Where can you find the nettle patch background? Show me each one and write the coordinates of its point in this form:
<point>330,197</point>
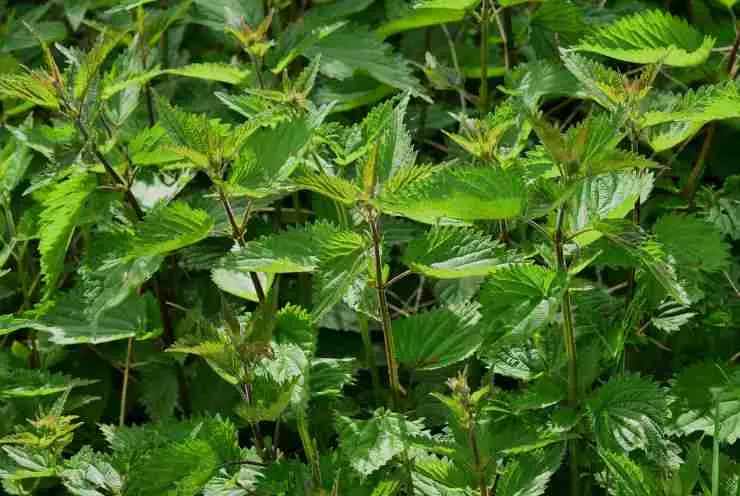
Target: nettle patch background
<point>366,247</point>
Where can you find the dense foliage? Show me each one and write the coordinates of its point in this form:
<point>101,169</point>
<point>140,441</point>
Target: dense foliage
<point>369,247</point>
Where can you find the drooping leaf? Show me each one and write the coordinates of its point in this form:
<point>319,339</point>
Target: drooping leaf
<point>627,477</point>
<point>212,71</point>
<point>427,13</point>
<point>650,37</point>
<point>692,242</point>
<point>88,473</point>
<point>451,253</point>
<point>170,228</point>
<point>437,338</point>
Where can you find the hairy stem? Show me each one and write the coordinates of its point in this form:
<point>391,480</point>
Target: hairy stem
<point>309,448</point>
<point>369,355</point>
<point>126,376</point>
<point>692,184</point>
<point>570,348</point>
<point>385,316</point>
<point>480,476</point>
<point>483,92</point>
<point>238,235</point>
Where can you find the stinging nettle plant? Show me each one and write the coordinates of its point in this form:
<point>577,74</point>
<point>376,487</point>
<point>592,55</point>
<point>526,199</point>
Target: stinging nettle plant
<point>352,247</point>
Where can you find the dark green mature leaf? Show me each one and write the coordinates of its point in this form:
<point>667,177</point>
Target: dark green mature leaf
<point>356,49</point>
<point>628,413</point>
<point>437,338</point>
<point>529,474</point>
<point>23,383</point>
<point>346,257</point>
<point>693,242</point>
<point>368,445</point>
<point>464,193</point>
<point>170,228</point>
<point>520,298</point>
<point>69,320</point>
<point>650,37</point>
<point>627,477</point>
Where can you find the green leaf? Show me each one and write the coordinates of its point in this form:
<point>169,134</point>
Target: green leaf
<point>650,37</point>
<point>269,157</point>
<point>345,258</point>
<point>673,118</point>
<point>626,477</point>
<point>608,196</point>
<point>356,49</point>
<point>367,445</point>
<point>693,242</point>
<point>328,376</point>
<point>332,187</point>
<point>427,13</point>
<point>603,84</point>
<point>464,193</point>
<point>628,413</point>
<point>293,250</point>
<point>26,383</point>
<point>88,473</point>
<point>451,253</point>
<point>211,71</point>
<point>159,389</point>
<point>15,157</point>
<point>528,474</point>
<point>69,320</point>
<point>62,209</point>
<point>92,62</point>
<point>521,298</point>
<point>437,338</point>
<point>170,228</point>
<point>238,283</point>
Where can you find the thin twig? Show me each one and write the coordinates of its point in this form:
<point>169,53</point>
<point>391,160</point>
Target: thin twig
<point>124,388</point>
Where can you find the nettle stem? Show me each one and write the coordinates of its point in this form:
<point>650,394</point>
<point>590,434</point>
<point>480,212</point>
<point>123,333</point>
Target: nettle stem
<point>385,316</point>
<point>485,18</point>
<point>126,376</point>
<point>238,234</point>
<point>569,338</point>
<point>309,448</point>
<point>479,473</point>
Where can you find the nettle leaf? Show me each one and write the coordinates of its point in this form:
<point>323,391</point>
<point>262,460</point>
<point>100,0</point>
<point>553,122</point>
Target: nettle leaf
<point>69,320</point>
<point>26,383</point>
<point>693,242</point>
<point>332,187</point>
<point>521,298</point>
<point>535,82</point>
<point>238,283</point>
<point>626,476</point>
<point>650,37</point>
<point>601,83</point>
<point>464,193</point>
<point>35,87</point>
<point>169,228</point>
<point>608,196</point>
<point>671,118</point>
<point>437,338</point>
<point>212,71</point>
<point>528,474</point>
<point>427,13</point>
<point>62,209</point>
<point>451,253</point>
<point>293,250</point>
<point>269,157</point>
<point>698,389</point>
<point>91,62</point>
<point>368,445</point>
<point>628,413</point>
<point>88,473</point>
<point>345,258</point>
<point>356,49</point>
<point>328,376</point>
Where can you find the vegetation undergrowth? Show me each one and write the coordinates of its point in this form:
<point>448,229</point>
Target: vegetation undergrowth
<point>369,247</point>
